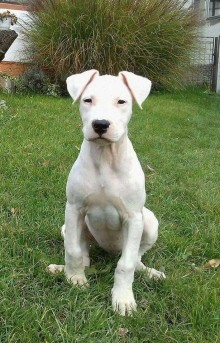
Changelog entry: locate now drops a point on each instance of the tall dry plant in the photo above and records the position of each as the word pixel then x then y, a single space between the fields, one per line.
pixel 149 37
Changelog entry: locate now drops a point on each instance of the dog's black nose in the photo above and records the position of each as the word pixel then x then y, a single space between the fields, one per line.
pixel 100 126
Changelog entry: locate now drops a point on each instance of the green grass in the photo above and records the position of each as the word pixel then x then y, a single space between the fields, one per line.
pixel 178 136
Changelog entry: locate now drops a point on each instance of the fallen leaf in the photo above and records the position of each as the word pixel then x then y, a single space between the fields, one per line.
pixel 150 169
pixel 45 163
pixel 14 211
pixel 214 263
pixel 122 332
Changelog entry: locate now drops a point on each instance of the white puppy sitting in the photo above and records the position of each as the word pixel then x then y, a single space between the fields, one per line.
pixel 106 186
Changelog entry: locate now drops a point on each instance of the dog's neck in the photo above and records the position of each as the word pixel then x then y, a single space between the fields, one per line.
pixel 112 155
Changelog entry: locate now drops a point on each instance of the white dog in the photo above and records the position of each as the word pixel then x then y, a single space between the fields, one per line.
pixel 106 186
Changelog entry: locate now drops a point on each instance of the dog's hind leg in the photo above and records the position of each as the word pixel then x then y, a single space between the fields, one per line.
pixel 149 237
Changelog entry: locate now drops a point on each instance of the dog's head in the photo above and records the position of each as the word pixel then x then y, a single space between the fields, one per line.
pixel 106 102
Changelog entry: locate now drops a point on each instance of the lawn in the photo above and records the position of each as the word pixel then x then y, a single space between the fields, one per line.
pixel 177 139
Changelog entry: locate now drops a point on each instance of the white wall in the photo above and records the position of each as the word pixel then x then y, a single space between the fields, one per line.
pixel 211 26
pixel 14 53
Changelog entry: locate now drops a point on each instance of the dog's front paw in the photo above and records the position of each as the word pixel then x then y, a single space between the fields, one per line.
pixel 78 280
pixel 123 302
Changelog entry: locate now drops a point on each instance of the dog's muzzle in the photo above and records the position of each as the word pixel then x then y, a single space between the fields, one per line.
pixel 100 126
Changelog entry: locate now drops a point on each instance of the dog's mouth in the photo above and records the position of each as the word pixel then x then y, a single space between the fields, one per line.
pixel 100 140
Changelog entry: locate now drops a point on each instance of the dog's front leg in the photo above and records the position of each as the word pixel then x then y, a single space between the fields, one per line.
pixel 73 242
pixel 122 295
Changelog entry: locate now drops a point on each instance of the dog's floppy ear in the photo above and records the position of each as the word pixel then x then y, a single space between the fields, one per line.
pixel 139 86
pixel 77 83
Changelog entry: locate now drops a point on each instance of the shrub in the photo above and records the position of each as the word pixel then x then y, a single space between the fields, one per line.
pixel 149 37
pixel 33 80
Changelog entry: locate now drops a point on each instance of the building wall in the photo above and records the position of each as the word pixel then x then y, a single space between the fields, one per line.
pixel 210 25
pixel 211 28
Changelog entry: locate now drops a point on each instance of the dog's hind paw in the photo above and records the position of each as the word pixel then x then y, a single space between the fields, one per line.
pixel 150 272
pixel 63 231
pixel 55 268
pixel 155 274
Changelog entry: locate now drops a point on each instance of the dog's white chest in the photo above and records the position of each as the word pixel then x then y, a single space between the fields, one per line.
pixel 104 216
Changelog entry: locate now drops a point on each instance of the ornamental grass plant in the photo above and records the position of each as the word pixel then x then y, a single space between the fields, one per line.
pixel 153 38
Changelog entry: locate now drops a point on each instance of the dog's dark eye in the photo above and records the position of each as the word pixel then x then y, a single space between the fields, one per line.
pixel 121 102
pixel 87 100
